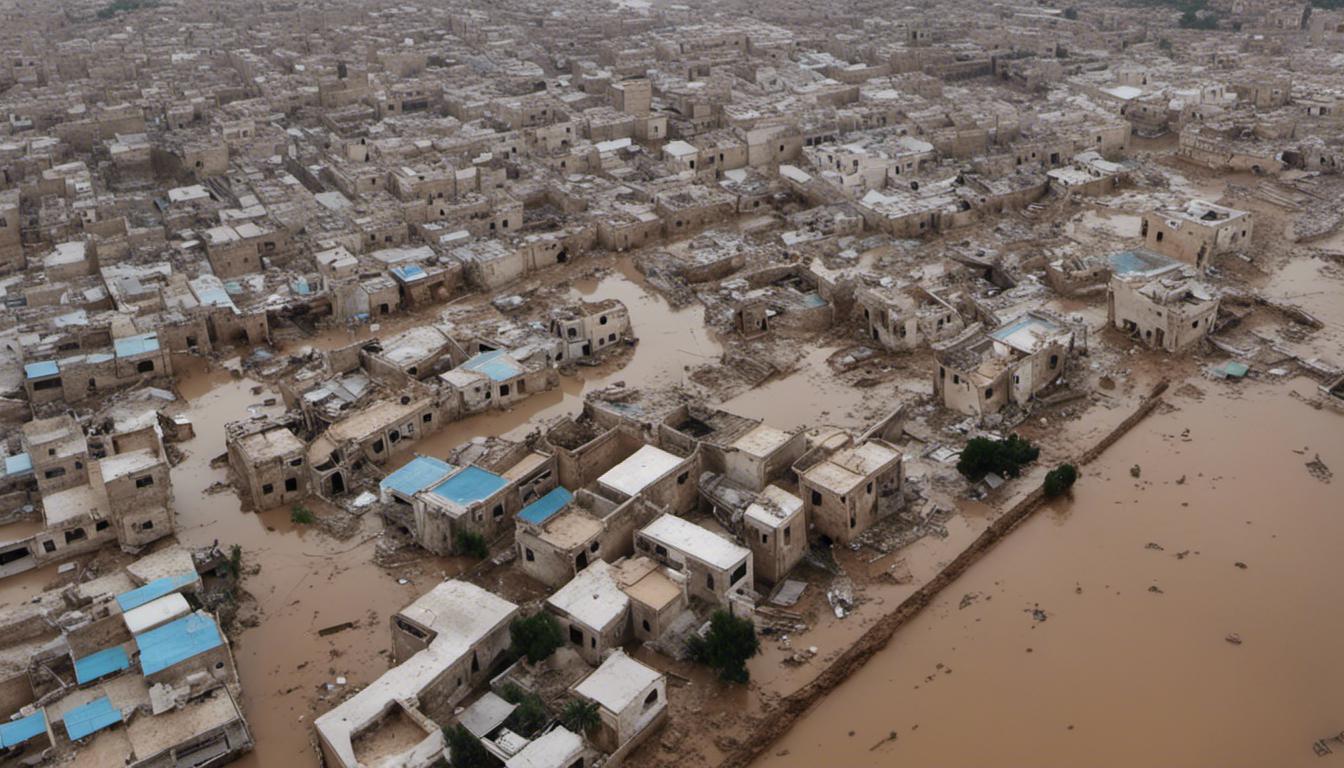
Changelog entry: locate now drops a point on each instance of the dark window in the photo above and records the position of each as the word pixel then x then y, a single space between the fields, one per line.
pixel 503 390
pixel 660 550
pixel 989 392
pixel 593 547
pixel 709 580
pixel 816 497
pixel 739 574
pixel 101 525
pixel 144 482
pixel 148 524
pixel 378 446
pixel 498 511
pixel 54 472
pixel 144 366
pixel 527 553
pixel 427 418
pixel 644 623
pixel 268 489
pixel 788 534
pixel 291 484
pixel 48 546
pixel 575 635
pixel 75 535
pixel 18 554
pixel 683 477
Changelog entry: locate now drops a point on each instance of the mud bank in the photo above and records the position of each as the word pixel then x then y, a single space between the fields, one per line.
pixel 1139 583
pixel 781 718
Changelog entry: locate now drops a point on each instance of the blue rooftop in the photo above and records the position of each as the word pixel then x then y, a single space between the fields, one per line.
pixel 496 364
pixel 154 590
pixel 409 272
pixel 136 345
pixel 18 731
pixel 470 485
pixel 544 508
pixel 177 641
pixel 1128 262
pixel 18 464
pixel 101 664
pixel 416 475
pixel 39 370
pixel 91 718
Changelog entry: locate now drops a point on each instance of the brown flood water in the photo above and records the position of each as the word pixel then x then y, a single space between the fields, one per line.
pixel 307 581
pixel 1118 674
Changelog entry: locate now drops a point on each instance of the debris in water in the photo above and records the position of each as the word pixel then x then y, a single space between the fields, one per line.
pixel 890 738
pixel 1233 638
pixel 1135 471
pixel 1153 545
pixel 335 628
pixel 1037 614
pixel 841 596
pixel 1319 470
pixel 1156 590
pixel 1240 565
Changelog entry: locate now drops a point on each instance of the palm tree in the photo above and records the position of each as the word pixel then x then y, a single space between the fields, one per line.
pixel 580 716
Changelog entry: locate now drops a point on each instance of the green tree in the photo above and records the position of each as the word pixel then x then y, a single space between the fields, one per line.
pixel 466 749
pixel 301 515
pixel 536 636
pixel 529 717
pixel 1059 480
pixel 580 716
pixel 1002 457
pixel 472 543
pixel 730 642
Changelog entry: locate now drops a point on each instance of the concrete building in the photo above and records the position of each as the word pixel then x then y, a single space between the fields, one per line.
pixel 1197 232
pixel 443 645
pixel 631 700
pixel 1158 301
pixel 846 490
pixel 715 567
pixel 979 372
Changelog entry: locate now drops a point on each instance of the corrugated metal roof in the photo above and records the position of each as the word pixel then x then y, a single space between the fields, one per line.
pixel 470 485
pixel 131 346
pixel 18 731
pixel 155 589
pixel 542 509
pixel 91 718
pixel 101 664
pixel 177 641
pixel 41 369
pixel 416 475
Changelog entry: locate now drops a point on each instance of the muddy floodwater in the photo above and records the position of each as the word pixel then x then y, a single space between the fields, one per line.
pixel 1188 617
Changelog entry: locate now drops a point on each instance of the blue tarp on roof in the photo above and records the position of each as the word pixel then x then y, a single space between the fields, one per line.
pixel 136 345
pixel 177 641
pixel 417 475
pixel 542 509
pixel 39 370
pixel 18 464
pixel 18 731
pixel 101 664
pixel 496 364
pixel 470 485
pixel 409 272
pixel 154 590
pixel 91 718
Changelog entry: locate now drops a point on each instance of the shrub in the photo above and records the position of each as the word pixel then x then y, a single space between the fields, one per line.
pixel 472 543
pixel 466 749
pixel 580 716
pixel 1070 13
pixel 235 561
pixel 301 515
pixel 1002 457
pixel 1059 480
pixel 730 642
pixel 536 636
pixel 529 717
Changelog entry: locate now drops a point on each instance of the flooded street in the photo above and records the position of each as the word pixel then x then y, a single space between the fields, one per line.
pixel 1141 582
pixel 307 581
